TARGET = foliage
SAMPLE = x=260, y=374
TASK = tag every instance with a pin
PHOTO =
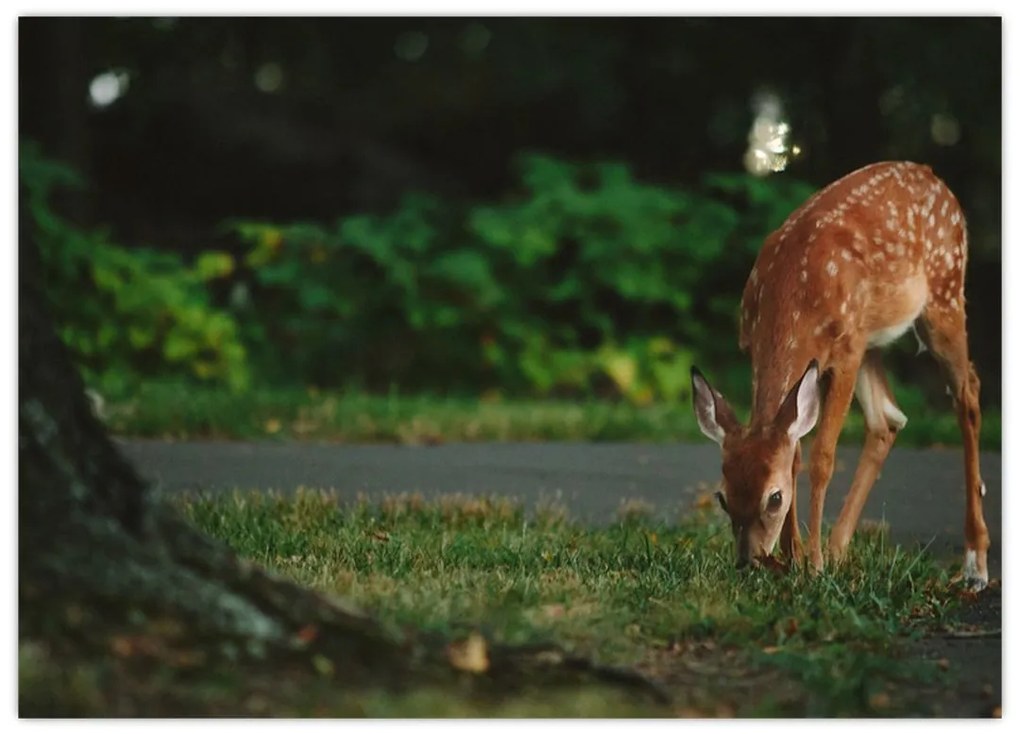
x=586, y=281
x=127, y=313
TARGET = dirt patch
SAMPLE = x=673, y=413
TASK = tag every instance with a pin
x=969, y=653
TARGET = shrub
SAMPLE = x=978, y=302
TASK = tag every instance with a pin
x=127, y=313
x=584, y=281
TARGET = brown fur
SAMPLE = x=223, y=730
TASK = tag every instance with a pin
x=847, y=273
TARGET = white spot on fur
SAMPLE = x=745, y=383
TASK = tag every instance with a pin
x=803, y=276
x=831, y=268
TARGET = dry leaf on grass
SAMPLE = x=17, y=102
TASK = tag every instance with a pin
x=470, y=655
x=307, y=633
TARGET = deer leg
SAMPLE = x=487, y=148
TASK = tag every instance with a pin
x=944, y=330
x=789, y=539
x=823, y=448
x=883, y=418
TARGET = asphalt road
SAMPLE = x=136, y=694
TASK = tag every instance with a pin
x=920, y=493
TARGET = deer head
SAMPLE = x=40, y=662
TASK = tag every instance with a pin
x=757, y=461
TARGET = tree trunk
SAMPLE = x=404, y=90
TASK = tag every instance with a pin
x=99, y=553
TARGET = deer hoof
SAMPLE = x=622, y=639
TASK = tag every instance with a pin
x=974, y=579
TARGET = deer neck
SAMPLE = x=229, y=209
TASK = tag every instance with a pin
x=776, y=364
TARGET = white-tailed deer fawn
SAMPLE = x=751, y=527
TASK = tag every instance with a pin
x=863, y=260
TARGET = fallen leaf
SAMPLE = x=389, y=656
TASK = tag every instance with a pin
x=122, y=647
x=880, y=700
x=942, y=663
x=705, y=500
x=771, y=649
x=470, y=655
x=554, y=611
x=272, y=425
x=323, y=665
x=381, y=536
x=307, y=633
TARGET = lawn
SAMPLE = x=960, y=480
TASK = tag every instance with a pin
x=660, y=599
x=174, y=410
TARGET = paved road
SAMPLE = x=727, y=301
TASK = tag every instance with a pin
x=920, y=493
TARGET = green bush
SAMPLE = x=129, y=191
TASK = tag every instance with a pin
x=128, y=313
x=585, y=281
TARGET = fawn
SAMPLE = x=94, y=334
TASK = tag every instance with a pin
x=858, y=264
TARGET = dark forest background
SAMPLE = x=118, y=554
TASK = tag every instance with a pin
x=553, y=207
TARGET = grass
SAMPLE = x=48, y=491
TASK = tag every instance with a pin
x=664, y=598
x=168, y=410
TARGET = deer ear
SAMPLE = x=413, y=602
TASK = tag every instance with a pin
x=715, y=417
x=800, y=409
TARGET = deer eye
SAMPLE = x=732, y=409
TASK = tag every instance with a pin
x=722, y=501
x=775, y=500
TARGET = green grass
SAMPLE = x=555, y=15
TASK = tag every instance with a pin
x=168, y=410
x=664, y=598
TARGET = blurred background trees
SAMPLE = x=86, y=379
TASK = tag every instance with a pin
x=531, y=206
